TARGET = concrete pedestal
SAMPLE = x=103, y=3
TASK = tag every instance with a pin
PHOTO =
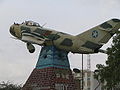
x=52, y=71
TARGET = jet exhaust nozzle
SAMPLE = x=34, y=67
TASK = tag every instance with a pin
x=102, y=51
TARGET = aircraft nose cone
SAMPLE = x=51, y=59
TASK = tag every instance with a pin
x=12, y=31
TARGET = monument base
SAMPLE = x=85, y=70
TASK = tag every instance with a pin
x=50, y=79
x=52, y=71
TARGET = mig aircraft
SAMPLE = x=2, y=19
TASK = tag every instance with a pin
x=87, y=42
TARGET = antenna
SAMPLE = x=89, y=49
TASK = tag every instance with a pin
x=43, y=24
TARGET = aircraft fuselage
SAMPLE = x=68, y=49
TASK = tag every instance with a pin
x=87, y=42
x=43, y=36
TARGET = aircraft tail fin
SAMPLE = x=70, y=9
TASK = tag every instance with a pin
x=101, y=33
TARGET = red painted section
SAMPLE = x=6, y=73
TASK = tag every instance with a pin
x=50, y=79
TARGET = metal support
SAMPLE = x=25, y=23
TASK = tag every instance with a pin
x=82, y=73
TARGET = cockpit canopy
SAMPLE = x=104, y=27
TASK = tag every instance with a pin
x=31, y=23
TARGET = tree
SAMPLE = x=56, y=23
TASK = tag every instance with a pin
x=9, y=86
x=111, y=72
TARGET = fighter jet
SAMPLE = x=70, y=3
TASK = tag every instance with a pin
x=87, y=42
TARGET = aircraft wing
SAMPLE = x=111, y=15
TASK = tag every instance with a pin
x=101, y=33
x=96, y=37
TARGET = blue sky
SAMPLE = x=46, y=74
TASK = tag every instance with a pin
x=70, y=16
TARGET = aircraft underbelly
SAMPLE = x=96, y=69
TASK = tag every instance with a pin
x=75, y=49
x=65, y=42
x=84, y=50
x=71, y=44
x=32, y=40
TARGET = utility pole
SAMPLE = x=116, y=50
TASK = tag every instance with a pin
x=88, y=71
x=82, y=73
x=88, y=62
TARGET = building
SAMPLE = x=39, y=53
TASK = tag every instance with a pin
x=90, y=83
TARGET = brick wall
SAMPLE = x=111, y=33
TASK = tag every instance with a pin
x=50, y=79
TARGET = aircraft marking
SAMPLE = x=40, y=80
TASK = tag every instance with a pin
x=95, y=34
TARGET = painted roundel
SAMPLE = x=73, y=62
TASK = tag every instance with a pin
x=94, y=33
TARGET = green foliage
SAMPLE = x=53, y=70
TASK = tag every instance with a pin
x=111, y=72
x=9, y=86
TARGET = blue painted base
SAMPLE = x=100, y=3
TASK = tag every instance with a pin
x=50, y=56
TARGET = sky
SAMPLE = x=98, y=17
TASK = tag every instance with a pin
x=70, y=16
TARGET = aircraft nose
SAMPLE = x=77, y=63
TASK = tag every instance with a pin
x=12, y=31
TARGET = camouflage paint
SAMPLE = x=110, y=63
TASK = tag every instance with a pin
x=27, y=29
x=85, y=42
x=106, y=25
x=116, y=20
x=67, y=42
x=40, y=31
x=47, y=34
x=91, y=45
x=53, y=36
